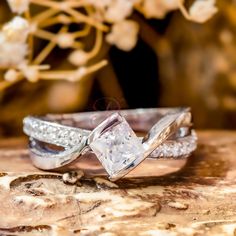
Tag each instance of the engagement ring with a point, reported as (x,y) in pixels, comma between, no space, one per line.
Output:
(115,137)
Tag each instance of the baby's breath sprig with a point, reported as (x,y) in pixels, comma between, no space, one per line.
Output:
(108,18)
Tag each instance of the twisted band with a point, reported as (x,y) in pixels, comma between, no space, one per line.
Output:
(112,139)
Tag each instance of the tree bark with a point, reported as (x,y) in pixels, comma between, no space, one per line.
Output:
(197,199)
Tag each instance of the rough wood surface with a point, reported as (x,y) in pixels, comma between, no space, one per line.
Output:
(199,199)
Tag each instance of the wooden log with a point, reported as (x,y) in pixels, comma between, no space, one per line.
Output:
(198,199)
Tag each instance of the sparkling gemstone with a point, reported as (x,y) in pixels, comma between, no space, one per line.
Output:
(116,145)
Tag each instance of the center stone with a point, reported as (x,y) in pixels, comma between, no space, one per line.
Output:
(116,146)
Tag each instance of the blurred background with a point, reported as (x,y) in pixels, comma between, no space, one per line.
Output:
(174,62)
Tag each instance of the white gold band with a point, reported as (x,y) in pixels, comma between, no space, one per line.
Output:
(112,138)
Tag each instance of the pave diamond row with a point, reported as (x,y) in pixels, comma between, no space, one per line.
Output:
(53,133)
(179,148)
(68,137)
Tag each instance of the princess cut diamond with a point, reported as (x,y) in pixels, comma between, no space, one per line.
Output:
(116,146)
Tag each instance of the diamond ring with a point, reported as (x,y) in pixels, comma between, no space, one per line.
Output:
(110,135)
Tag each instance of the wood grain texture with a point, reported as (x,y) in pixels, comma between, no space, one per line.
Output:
(198,199)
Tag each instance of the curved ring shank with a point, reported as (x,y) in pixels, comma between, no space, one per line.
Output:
(68,129)
(140,120)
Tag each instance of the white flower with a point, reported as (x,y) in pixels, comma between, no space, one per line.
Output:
(202,10)
(78,58)
(114,10)
(153,9)
(65,40)
(31,73)
(158,8)
(11,75)
(124,35)
(13,46)
(18,6)
(17,30)
(118,10)
(12,53)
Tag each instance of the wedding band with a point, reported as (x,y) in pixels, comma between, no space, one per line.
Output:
(112,139)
